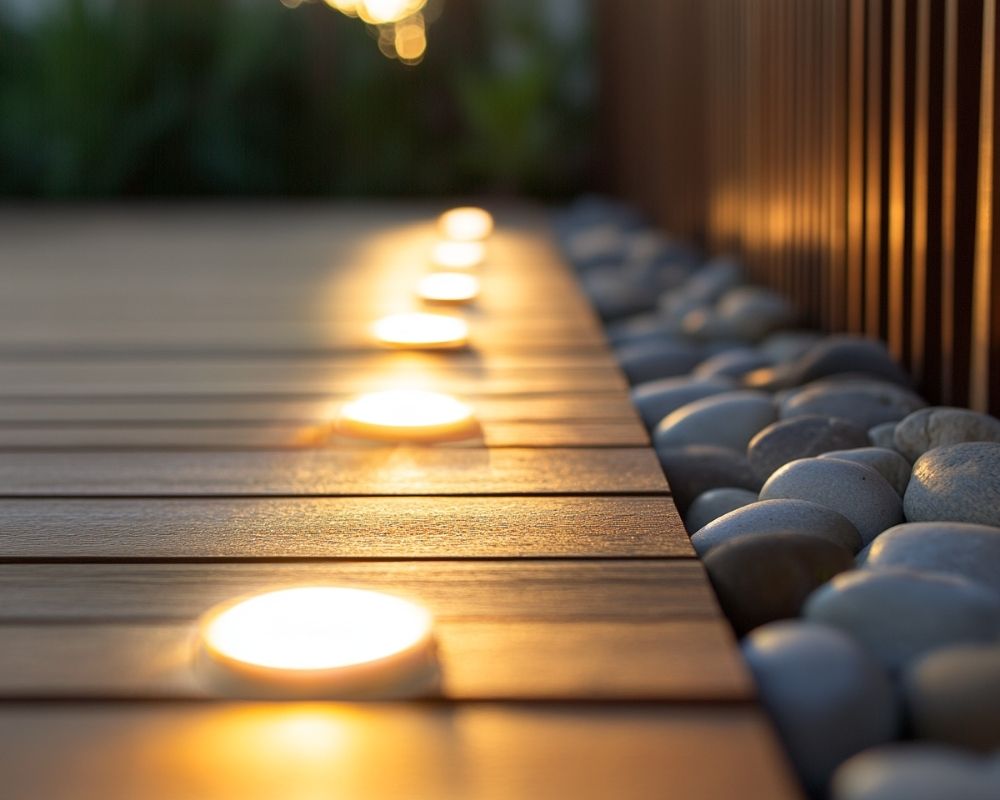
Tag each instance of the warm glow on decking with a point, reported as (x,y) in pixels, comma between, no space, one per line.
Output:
(407,415)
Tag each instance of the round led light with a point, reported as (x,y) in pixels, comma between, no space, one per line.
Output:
(466,224)
(422,331)
(407,415)
(319,642)
(448,287)
(458,255)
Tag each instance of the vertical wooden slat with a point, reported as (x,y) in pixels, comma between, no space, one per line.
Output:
(857,106)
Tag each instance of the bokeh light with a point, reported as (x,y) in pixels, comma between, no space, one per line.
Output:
(466,224)
(448,287)
(458,255)
(421,331)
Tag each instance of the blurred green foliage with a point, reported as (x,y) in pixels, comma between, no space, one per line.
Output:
(194,97)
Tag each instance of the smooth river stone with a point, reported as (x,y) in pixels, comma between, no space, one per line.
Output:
(883,435)
(898,615)
(958,483)
(648,361)
(889,464)
(956,548)
(695,469)
(918,771)
(848,354)
(733,363)
(827,697)
(799,516)
(724,420)
(767,577)
(791,439)
(865,403)
(714,503)
(714,279)
(752,312)
(928,428)
(788,345)
(858,492)
(953,696)
(655,399)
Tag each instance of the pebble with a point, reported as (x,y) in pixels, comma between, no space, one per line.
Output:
(883,435)
(953,696)
(801,437)
(733,363)
(956,548)
(788,345)
(827,697)
(848,354)
(898,615)
(726,420)
(714,503)
(752,312)
(648,361)
(932,427)
(918,771)
(655,399)
(763,578)
(714,279)
(889,464)
(695,469)
(865,403)
(858,492)
(798,516)
(957,482)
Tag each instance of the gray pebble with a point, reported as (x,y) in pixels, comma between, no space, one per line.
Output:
(953,696)
(865,403)
(858,492)
(799,516)
(898,615)
(883,435)
(848,354)
(788,345)
(714,503)
(648,361)
(957,548)
(957,482)
(827,697)
(731,364)
(918,771)
(726,420)
(889,464)
(928,428)
(695,469)
(763,578)
(791,439)
(655,399)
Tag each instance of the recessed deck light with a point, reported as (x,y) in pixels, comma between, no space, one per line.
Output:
(466,224)
(458,255)
(417,330)
(448,287)
(407,415)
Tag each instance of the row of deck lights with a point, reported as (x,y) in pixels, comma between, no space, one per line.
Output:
(349,643)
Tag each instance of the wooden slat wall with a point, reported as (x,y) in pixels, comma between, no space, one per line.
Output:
(844,147)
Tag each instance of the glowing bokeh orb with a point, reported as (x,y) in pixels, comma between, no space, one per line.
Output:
(466,224)
(407,415)
(458,255)
(448,287)
(321,641)
(425,331)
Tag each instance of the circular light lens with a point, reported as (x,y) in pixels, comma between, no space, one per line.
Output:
(458,255)
(448,287)
(422,331)
(466,224)
(318,641)
(407,415)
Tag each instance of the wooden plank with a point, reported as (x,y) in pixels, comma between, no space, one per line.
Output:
(606,433)
(682,660)
(384,527)
(240,410)
(613,590)
(382,470)
(388,751)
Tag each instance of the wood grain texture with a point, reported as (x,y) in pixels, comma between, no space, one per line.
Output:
(392,470)
(612,590)
(683,660)
(258,436)
(470,751)
(349,527)
(239,409)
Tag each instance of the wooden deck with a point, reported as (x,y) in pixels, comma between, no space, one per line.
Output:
(165,379)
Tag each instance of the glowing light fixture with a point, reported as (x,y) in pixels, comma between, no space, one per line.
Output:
(407,415)
(466,224)
(448,287)
(381,12)
(422,331)
(458,255)
(320,642)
